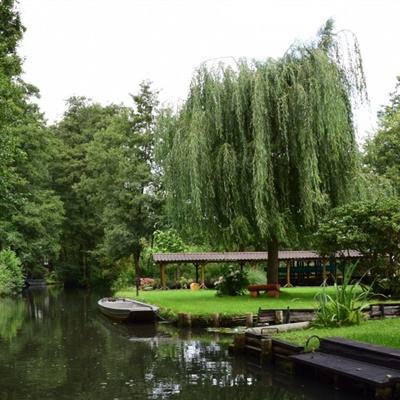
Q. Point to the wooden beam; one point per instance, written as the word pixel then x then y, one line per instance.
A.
pixel 163 280
pixel 202 279
pixel 324 270
pixel 288 283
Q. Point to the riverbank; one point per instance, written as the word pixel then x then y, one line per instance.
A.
pixel 205 302
pixel 383 332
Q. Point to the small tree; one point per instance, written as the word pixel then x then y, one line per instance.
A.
pixel 372 228
pixel 12 279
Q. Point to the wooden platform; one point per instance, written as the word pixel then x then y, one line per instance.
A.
pixel 377 368
pixel 357 370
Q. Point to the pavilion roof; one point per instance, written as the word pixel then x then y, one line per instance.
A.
pixel 248 256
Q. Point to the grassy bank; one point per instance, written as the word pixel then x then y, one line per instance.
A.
pixel 383 332
pixel 203 302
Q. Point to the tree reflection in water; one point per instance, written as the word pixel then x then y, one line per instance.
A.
pixel 63 349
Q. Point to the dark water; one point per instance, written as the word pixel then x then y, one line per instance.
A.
pixel 55 345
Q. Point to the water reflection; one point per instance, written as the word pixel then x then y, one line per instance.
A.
pixel 12 315
pixel 62 348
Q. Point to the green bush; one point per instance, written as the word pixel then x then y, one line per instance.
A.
pixel 126 278
pixel 12 279
pixel 233 282
pixel 256 276
pixel 346 306
pixel 372 228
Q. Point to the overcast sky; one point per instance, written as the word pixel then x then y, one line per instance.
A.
pixel 103 49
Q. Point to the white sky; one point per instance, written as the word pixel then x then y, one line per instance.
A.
pixel 103 49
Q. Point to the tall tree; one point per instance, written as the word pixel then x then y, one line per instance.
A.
pixel 81 229
pixel 263 149
pixel 383 149
pixel 30 212
pixel 120 182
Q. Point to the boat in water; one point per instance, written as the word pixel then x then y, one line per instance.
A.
pixel 127 310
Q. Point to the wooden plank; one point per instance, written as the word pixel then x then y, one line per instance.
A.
pixel 357 370
pixel 379 355
pixel 363 346
pixel 287 345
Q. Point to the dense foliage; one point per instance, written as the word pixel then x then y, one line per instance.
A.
pixel 252 159
pixel 12 279
pixel 232 282
pixel 372 228
pixel 30 212
pixel 383 149
pixel 106 180
pixel 261 150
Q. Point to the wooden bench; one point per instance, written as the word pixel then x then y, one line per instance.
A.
pixel 272 289
pixel 377 367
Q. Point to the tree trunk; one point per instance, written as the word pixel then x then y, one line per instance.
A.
pixel 273 261
pixel 136 263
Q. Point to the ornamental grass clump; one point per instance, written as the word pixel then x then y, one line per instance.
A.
pixel 232 282
pixel 346 306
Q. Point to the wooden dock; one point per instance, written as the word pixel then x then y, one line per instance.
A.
pixel 370 370
pixel 350 364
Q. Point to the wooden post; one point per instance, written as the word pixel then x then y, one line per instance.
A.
pixel 239 341
pixel 184 320
pixel 163 281
pixel 249 320
pixel 202 279
pixel 278 316
pixel 215 318
pixel 288 284
pixel 334 260
pixel 323 270
pixel 266 349
pixel 187 319
pixel 197 272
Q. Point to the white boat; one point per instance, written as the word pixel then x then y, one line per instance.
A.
pixel 121 309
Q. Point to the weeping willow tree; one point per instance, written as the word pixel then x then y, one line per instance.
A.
pixel 261 149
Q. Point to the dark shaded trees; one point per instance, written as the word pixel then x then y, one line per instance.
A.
pixel 81 229
pixel 107 178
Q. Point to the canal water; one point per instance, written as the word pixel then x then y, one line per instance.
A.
pixel 55 345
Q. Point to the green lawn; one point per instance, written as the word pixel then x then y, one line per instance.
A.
pixel 206 302
pixel 383 332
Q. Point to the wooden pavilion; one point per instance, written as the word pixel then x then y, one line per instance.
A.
pixel 293 264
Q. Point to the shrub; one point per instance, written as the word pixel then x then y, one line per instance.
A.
pixel 184 282
pixel 147 283
pixel 233 282
pixel 256 276
pixel 126 278
pixel 346 306
pixel 372 228
pixel 12 279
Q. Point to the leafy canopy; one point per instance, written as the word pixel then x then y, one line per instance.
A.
pixel 262 149
pixel 383 150
pixel 372 228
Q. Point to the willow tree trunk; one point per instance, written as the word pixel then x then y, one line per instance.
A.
pixel 273 261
